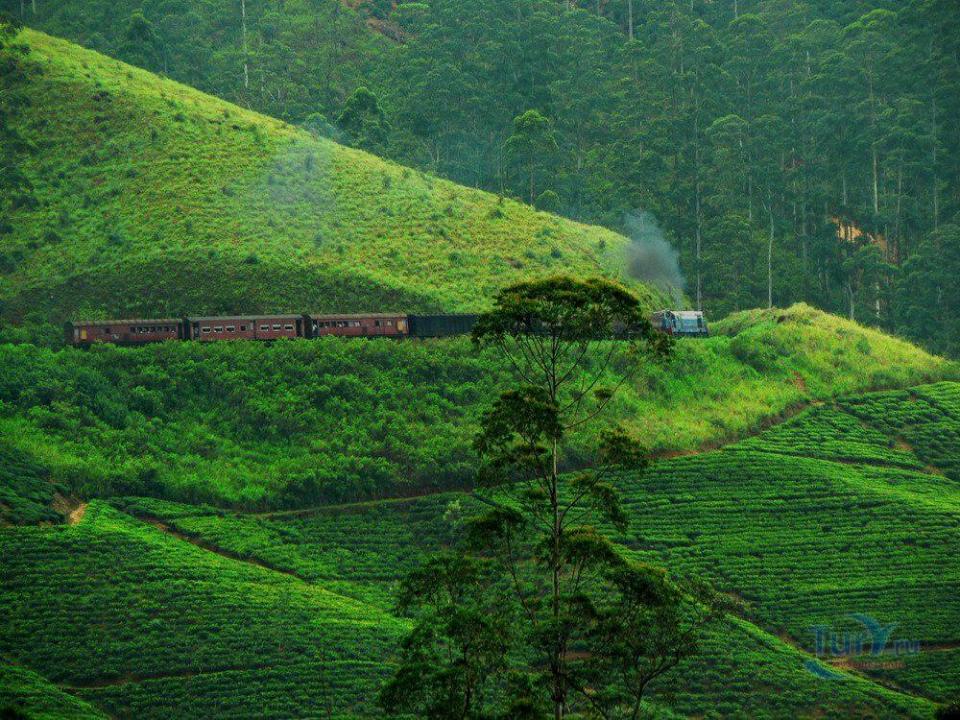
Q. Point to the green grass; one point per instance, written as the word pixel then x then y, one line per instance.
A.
pixel 151 199
pixel 296 423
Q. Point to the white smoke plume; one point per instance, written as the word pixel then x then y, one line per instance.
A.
pixel 650 257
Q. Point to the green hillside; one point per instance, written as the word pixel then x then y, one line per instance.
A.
pixel 150 199
pixel 802 535
pixel 299 423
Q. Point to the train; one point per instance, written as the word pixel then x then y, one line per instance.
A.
pixel 681 323
pixel 274 327
pixel 140 331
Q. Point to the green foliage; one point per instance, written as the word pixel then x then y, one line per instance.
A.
pixel 568 585
pixel 452 663
pixel 297 423
pixel 26 493
pixel 143 624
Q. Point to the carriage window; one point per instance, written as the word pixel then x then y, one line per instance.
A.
pixel 243 328
pixel 389 323
pixel 206 329
pixel 288 327
pixel 276 327
pixel 231 328
pixel 354 323
pixel 132 329
pixel 376 323
pixel 264 328
pixel 218 328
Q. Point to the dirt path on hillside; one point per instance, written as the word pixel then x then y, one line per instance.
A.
pixel 173 674
pixel 786 414
pixel 76 515
pixel 72 509
pixel 213 548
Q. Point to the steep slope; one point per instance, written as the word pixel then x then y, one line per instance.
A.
pixel 151 198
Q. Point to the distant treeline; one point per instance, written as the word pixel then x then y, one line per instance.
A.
pixel 791 150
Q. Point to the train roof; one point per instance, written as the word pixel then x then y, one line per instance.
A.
pixel 355 316
pixel 276 316
pixel 681 313
pixel 124 321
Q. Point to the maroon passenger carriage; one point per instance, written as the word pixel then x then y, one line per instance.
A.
pixel 244 327
pixel 124 332
pixel 368 325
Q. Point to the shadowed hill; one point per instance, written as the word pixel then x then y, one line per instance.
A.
pixel 151 198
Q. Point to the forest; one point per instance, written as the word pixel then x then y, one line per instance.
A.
pixel 790 151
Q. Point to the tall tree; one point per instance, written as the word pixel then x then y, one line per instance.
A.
pixel 532 145
pixel 566 340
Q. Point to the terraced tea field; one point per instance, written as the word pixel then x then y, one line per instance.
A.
pixel 35 697
pixel 848 508
pixel 136 621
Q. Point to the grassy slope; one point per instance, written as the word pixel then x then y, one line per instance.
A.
pixel 307 422
pixel 154 198
pixel 804 532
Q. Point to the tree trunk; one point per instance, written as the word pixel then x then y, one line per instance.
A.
pixel 933 165
pixel 630 19
pixel 699 252
pixel 557 659
pixel 770 255
pixel 532 185
pixel 243 32
pixel 33 6
pixel 699 218
pixel 876 181
pixel 894 247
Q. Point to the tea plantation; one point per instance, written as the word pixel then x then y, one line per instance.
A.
pixel 804 533
pixel 134 620
pixel 32 696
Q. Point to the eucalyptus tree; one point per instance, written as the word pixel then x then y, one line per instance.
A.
pixel 532 146
pixel 572 345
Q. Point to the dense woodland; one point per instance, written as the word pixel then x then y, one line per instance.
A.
pixel 791 150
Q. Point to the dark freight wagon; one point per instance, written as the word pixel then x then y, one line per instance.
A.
pixel 441 325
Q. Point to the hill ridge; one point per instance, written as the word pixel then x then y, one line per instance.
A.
pixel 153 197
